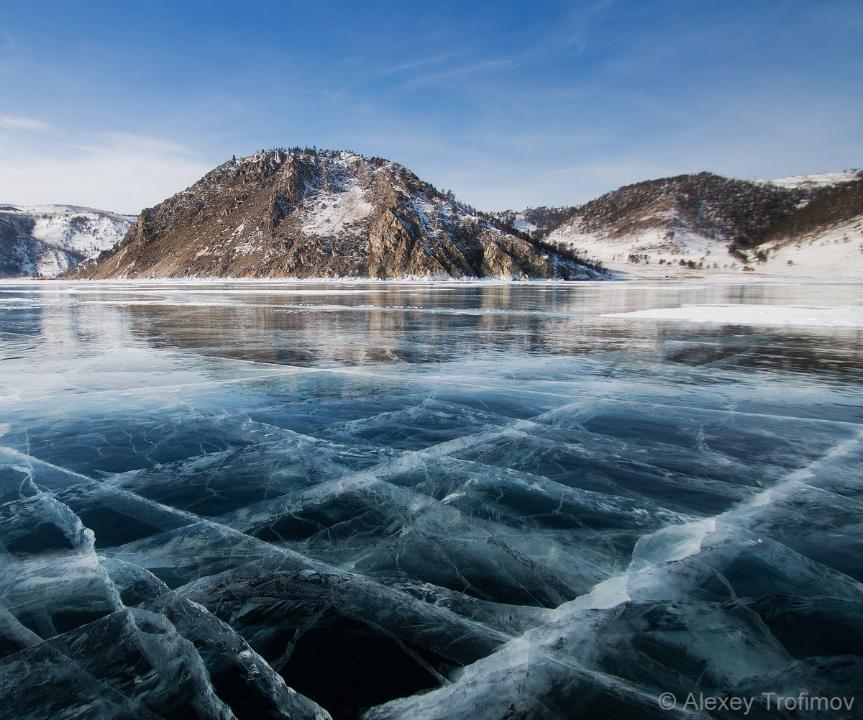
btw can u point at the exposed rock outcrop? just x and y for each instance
(309, 213)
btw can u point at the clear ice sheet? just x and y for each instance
(432, 500)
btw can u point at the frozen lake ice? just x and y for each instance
(428, 500)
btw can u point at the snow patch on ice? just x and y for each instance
(840, 316)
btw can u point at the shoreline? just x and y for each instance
(419, 281)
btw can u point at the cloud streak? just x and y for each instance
(115, 171)
(421, 62)
(15, 122)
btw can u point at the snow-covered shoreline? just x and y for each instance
(713, 279)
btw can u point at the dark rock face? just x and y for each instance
(307, 213)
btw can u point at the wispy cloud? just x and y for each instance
(570, 34)
(466, 69)
(421, 62)
(134, 144)
(113, 171)
(15, 122)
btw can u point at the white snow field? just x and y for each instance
(814, 180)
(833, 253)
(840, 316)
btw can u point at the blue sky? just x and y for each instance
(120, 104)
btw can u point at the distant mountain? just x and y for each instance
(320, 213)
(47, 240)
(315, 213)
(704, 223)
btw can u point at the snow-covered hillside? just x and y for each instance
(835, 251)
(816, 180)
(650, 252)
(46, 240)
(701, 225)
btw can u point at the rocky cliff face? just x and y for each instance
(46, 240)
(308, 213)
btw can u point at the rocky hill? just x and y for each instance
(46, 240)
(705, 223)
(314, 213)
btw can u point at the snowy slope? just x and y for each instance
(651, 252)
(696, 226)
(46, 240)
(816, 180)
(833, 252)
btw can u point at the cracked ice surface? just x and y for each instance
(299, 500)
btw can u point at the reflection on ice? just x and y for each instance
(456, 501)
